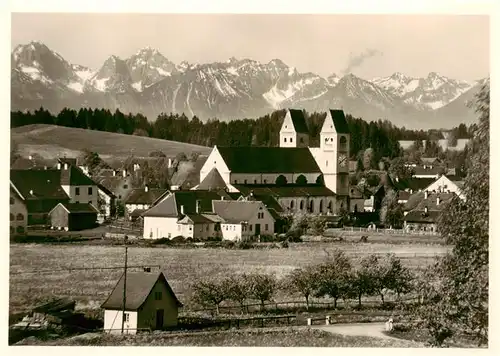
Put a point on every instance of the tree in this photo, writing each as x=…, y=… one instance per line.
x=368, y=159
x=460, y=295
x=397, y=277
x=210, y=293
x=302, y=281
x=91, y=160
x=238, y=289
x=332, y=277
x=364, y=278
x=262, y=287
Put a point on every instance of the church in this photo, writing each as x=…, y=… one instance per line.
x=295, y=175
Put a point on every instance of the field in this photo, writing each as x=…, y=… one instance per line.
x=50, y=141
x=290, y=337
x=182, y=266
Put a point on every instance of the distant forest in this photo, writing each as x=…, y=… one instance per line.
x=381, y=136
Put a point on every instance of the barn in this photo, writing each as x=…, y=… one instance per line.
x=73, y=216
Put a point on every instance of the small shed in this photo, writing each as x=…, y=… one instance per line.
x=73, y=216
x=150, y=304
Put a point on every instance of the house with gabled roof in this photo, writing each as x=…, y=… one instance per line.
x=423, y=209
x=292, y=165
x=18, y=212
x=244, y=220
x=150, y=303
x=186, y=213
x=73, y=216
x=142, y=199
x=446, y=185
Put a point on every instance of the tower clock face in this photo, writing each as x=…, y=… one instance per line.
x=342, y=160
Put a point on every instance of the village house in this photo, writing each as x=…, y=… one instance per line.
x=186, y=213
x=446, y=185
x=244, y=220
x=117, y=182
x=73, y=216
x=106, y=202
x=356, y=200
x=428, y=171
x=150, y=304
x=315, y=178
x=423, y=209
x=18, y=212
x=141, y=199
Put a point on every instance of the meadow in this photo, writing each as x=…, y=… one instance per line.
x=182, y=266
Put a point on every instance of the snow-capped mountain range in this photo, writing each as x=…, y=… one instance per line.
x=149, y=83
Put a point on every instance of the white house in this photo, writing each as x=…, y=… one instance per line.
x=106, y=202
x=446, y=185
x=295, y=172
x=243, y=220
x=141, y=199
x=185, y=213
x=150, y=303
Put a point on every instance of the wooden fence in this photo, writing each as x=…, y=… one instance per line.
x=389, y=231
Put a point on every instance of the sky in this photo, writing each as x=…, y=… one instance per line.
x=367, y=45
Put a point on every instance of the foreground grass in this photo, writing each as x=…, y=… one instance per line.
x=290, y=337
x=181, y=266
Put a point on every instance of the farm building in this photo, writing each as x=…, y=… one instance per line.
x=186, y=213
x=18, y=212
x=446, y=185
x=120, y=184
x=106, y=202
x=150, y=304
x=142, y=199
x=73, y=216
x=295, y=174
x=356, y=199
x=244, y=220
x=423, y=209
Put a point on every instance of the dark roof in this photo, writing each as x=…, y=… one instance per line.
x=113, y=183
x=235, y=212
x=171, y=205
x=427, y=170
x=141, y=196
x=55, y=305
x=137, y=212
x=413, y=183
x=420, y=216
x=298, y=121
x=339, y=121
x=74, y=176
x=269, y=160
x=199, y=219
x=188, y=173
x=417, y=201
x=105, y=190
x=79, y=208
x=71, y=161
x=269, y=201
x=45, y=184
x=403, y=195
x=284, y=191
x=212, y=181
x=139, y=286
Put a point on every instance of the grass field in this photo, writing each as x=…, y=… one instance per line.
x=289, y=337
x=182, y=266
x=49, y=141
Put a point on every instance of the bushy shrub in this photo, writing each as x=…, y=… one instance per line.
x=179, y=239
x=244, y=245
x=162, y=241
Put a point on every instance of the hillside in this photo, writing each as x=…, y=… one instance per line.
x=49, y=141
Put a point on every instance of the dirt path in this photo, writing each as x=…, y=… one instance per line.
x=361, y=329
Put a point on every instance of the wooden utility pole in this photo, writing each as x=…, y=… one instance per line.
x=124, y=286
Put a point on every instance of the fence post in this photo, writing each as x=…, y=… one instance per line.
x=327, y=321
x=309, y=321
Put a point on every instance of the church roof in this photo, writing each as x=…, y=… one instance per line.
x=299, y=121
x=212, y=181
x=269, y=159
x=339, y=121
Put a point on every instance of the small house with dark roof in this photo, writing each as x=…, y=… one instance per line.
x=244, y=220
x=423, y=209
x=142, y=199
x=150, y=303
x=186, y=213
x=73, y=216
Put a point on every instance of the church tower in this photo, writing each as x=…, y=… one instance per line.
x=334, y=151
x=294, y=131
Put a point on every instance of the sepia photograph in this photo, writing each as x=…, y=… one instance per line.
x=249, y=180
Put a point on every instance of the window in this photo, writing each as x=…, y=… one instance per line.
x=127, y=317
x=178, y=228
x=235, y=181
x=125, y=186
x=245, y=181
x=20, y=229
x=77, y=191
x=302, y=140
x=343, y=143
x=284, y=139
x=291, y=204
x=190, y=227
x=90, y=190
x=291, y=139
x=77, y=202
x=157, y=295
x=265, y=181
x=227, y=227
x=301, y=205
x=11, y=201
x=20, y=217
x=12, y=217
x=206, y=229
x=119, y=196
x=266, y=227
x=250, y=227
x=255, y=181
x=327, y=163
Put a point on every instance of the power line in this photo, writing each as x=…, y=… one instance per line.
x=71, y=269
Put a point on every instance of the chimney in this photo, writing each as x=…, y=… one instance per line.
x=124, y=173
x=397, y=179
x=31, y=192
x=65, y=166
x=221, y=198
x=438, y=201
x=59, y=165
x=182, y=209
x=425, y=167
x=114, y=173
x=170, y=163
x=198, y=206
x=30, y=157
x=426, y=194
x=426, y=210
x=146, y=188
x=411, y=191
x=251, y=193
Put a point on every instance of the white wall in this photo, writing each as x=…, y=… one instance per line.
x=231, y=232
x=84, y=197
x=107, y=205
x=215, y=160
x=113, y=320
x=18, y=207
x=160, y=227
x=286, y=203
x=443, y=183
x=131, y=207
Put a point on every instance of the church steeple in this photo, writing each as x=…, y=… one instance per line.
x=294, y=131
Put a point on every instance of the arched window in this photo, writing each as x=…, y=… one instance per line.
x=292, y=204
x=281, y=180
x=343, y=143
x=20, y=216
x=330, y=207
x=321, y=206
x=311, y=206
x=20, y=229
x=12, y=218
x=301, y=180
x=301, y=205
